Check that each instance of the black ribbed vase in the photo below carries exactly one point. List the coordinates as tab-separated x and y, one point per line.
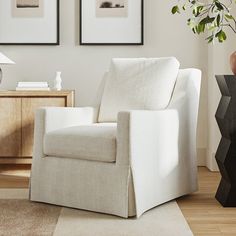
226	152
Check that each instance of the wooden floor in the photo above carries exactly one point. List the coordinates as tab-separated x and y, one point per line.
203	213
205	216
14	177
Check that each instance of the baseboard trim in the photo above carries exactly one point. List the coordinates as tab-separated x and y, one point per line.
201	156
211	162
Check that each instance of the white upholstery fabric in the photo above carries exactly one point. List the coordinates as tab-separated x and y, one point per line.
63	117
155	157
137	84
96	142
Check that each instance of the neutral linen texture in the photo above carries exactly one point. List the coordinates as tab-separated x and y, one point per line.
165	220
137	84
25	218
155	157
75	142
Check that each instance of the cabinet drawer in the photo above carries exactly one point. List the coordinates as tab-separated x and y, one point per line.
17	110
10	127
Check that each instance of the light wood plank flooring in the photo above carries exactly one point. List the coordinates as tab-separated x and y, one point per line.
203	213
14	176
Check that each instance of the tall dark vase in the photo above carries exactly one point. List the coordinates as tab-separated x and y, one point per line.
226	152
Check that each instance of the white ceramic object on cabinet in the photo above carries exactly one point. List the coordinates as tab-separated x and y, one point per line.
58	82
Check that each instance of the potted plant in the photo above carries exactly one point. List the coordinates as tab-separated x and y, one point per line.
212	16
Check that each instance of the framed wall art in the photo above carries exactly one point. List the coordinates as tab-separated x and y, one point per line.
29	22
111	22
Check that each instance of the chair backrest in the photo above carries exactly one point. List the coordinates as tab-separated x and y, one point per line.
98	98
138	84
187	79
188	84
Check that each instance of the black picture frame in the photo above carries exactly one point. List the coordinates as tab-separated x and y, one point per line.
112	44
57	42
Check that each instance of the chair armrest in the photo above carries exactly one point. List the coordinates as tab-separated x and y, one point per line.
63	117
160	148
138	128
145	133
52	118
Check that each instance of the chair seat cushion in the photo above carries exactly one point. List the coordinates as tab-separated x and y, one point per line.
96	142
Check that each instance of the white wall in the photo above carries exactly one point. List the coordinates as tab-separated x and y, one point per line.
82	66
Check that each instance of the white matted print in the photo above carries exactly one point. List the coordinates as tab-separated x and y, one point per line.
27	8
111	22
112	8
28	29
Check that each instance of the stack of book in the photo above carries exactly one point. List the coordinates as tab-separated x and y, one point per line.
33	86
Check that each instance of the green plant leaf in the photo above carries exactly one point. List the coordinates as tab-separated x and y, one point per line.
211	15
175	9
207	20
201	28
228	16
198	10
219	6
218	20
221	36
210	40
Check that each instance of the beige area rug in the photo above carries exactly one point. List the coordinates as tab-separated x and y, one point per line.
22	217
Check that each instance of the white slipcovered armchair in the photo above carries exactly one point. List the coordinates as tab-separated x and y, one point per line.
126	165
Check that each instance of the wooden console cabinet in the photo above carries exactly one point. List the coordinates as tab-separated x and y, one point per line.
17	110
